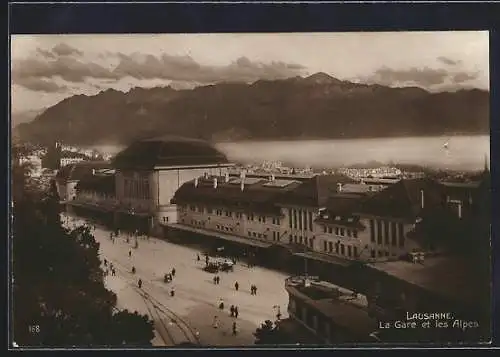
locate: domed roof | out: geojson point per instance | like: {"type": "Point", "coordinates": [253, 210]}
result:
{"type": "Point", "coordinates": [168, 151]}
{"type": "Point", "coordinates": [79, 170]}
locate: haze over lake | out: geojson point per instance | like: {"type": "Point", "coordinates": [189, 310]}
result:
{"type": "Point", "coordinates": [462, 152]}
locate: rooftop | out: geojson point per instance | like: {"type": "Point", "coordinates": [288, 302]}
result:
{"type": "Point", "coordinates": [449, 277]}
{"type": "Point", "coordinates": [102, 183]}
{"type": "Point", "coordinates": [255, 193]}
{"type": "Point", "coordinates": [168, 151]}
{"type": "Point", "coordinates": [79, 170]}
{"type": "Point", "coordinates": [340, 305]}
{"type": "Point", "coordinates": [316, 191]}
{"type": "Point", "coordinates": [402, 200]}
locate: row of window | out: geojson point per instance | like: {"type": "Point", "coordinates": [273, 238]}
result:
{"type": "Point", "coordinates": [226, 213]}
{"type": "Point", "coordinates": [387, 233]}
{"type": "Point", "coordinates": [136, 189]}
{"type": "Point", "coordinates": [301, 240]}
{"type": "Point", "coordinates": [197, 223]}
{"type": "Point", "coordinates": [299, 219]}
{"type": "Point", "coordinates": [341, 232]}
{"type": "Point", "coordinates": [381, 253]}
{"type": "Point", "coordinates": [224, 228]}
{"type": "Point", "coordinates": [341, 249]}
{"type": "Point", "coordinates": [257, 235]}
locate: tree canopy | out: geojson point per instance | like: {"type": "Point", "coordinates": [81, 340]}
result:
{"type": "Point", "coordinates": [59, 297]}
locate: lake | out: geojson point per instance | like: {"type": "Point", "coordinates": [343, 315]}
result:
{"type": "Point", "coordinates": [462, 152]}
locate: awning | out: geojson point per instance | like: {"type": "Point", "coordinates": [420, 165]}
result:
{"type": "Point", "coordinates": [323, 258]}
{"type": "Point", "coordinates": [228, 237]}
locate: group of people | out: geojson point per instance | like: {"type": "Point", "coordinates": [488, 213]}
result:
{"type": "Point", "coordinates": [111, 268]}
{"type": "Point", "coordinates": [233, 313]}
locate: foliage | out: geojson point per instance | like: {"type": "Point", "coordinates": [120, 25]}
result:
{"type": "Point", "coordinates": [269, 334]}
{"type": "Point", "coordinates": [52, 159]}
{"type": "Point", "coordinates": [58, 282]}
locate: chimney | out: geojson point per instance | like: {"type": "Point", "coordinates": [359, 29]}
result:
{"type": "Point", "coordinates": [215, 182]}
{"type": "Point", "coordinates": [242, 184]}
{"type": "Point", "coordinates": [196, 182]}
{"type": "Point", "coordinates": [226, 178]}
{"type": "Point", "coordinates": [339, 187]}
{"type": "Point", "coordinates": [422, 199]}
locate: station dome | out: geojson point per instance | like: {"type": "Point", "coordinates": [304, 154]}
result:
{"type": "Point", "coordinates": [168, 151]}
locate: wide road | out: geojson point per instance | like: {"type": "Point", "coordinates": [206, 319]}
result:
{"type": "Point", "coordinates": [189, 315]}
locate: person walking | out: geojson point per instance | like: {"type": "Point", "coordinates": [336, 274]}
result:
{"type": "Point", "coordinates": [236, 312]}
{"type": "Point", "coordinates": [129, 253]}
{"type": "Point", "coordinates": [231, 309]}
{"type": "Point", "coordinates": [113, 272]}
{"type": "Point", "coordinates": [255, 289]}
{"type": "Point", "coordinates": [105, 262]}
{"type": "Point", "coordinates": [198, 257]}
{"type": "Point", "coordinates": [221, 304]}
{"type": "Point", "coordinates": [215, 279]}
{"type": "Point", "coordinates": [173, 272]}
{"type": "Point", "coordinates": [172, 292]}
{"type": "Point", "coordinates": [133, 270]}
{"type": "Point", "coordinates": [251, 289]}
{"type": "Point", "coordinates": [235, 329]}
{"type": "Point", "coordinates": [218, 279]}
{"type": "Point", "coordinates": [236, 286]}
{"type": "Point", "coordinates": [215, 324]}
{"type": "Point", "coordinates": [139, 283]}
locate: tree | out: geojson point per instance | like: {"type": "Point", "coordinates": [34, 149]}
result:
{"type": "Point", "coordinates": [59, 297]}
{"type": "Point", "coordinates": [269, 334]}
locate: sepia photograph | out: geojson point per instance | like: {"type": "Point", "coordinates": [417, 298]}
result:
{"type": "Point", "coordinates": [250, 190]}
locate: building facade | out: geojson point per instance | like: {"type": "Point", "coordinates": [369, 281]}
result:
{"type": "Point", "coordinates": [149, 172]}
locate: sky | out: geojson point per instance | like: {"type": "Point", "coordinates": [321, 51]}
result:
{"type": "Point", "coordinates": [46, 69]}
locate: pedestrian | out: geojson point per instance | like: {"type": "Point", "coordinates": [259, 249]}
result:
{"type": "Point", "coordinates": [218, 280]}
{"type": "Point", "coordinates": [139, 283]}
{"type": "Point", "coordinates": [231, 309]}
{"type": "Point", "coordinates": [173, 272]}
{"type": "Point", "coordinates": [221, 304]}
{"type": "Point", "coordinates": [172, 292]}
{"type": "Point", "coordinates": [236, 286]}
{"type": "Point", "coordinates": [278, 315]}
{"type": "Point", "coordinates": [105, 263]}
{"type": "Point", "coordinates": [113, 272]}
{"type": "Point", "coordinates": [234, 261]}
{"type": "Point", "coordinates": [216, 322]}
{"type": "Point", "coordinates": [255, 289]}
{"type": "Point", "coordinates": [197, 257]}
{"type": "Point", "coordinates": [206, 260]}
{"type": "Point", "coordinates": [133, 270]}
{"type": "Point", "coordinates": [236, 312]}
{"type": "Point", "coordinates": [215, 279]}
{"type": "Point", "coordinates": [251, 289]}
{"type": "Point", "coordinates": [129, 253]}
{"type": "Point", "coordinates": [235, 330]}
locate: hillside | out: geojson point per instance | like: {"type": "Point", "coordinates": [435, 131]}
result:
{"type": "Point", "coordinates": [318, 106]}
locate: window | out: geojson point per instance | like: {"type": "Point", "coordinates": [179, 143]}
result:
{"type": "Point", "coordinates": [337, 230]}
{"type": "Point", "coordinates": [372, 253]}
{"type": "Point", "coordinates": [386, 253]}
{"type": "Point", "coordinates": [380, 253]}
{"type": "Point", "coordinates": [254, 234]}
{"type": "Point", "coordinates": [349, 250]}
{"type": "Point", "coordinates": [325, 245]}
{"type": "Point", "coordinates": [379, 232]}
{"type": "Point", "coordinates": [349, 234]}
{"type": "Point", "coordinates": [355, 234]}
{"type": "Point", "coordinates": [372, 230]}
{"type": "Point", "coordinates": [342, 249]}
{"type": "Point", "coordinates": [300, 220]}
{"type": "Point", "coordinates": [342, 232]}
{"type": "Point", "coordinates": [330, 230]}
{"type": "Point", "coordinates": [355, 249]}
{"type": "Point", "coordinates": [290, 239]}
{"type": "Point", "coordinates": [290, 217]}
{"type": "Point", "coordinates": [386, 232]}
{"type": "Point", "coordinates": [401, 236]}
{"type": "Point", "coordinates": [295, 219]}
{"type": "Point", "coordinates": [324, 229]}
{"type": "Point", "coordinates": [330, 246]}
{"type": "Point", "coordinates": [394, 237]}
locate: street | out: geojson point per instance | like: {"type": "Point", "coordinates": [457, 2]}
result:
{"type": "Point", "coordinates": [189, 315]}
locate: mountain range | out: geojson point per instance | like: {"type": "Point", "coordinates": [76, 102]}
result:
{"type": "Point", "coordinates": [315, 107]}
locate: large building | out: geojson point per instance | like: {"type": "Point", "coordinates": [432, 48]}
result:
{"type": "Point", "coordinates": [149, 172]}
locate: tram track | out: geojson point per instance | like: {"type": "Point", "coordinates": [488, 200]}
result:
{"type": "Point", "coordinates": [157, 308]}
